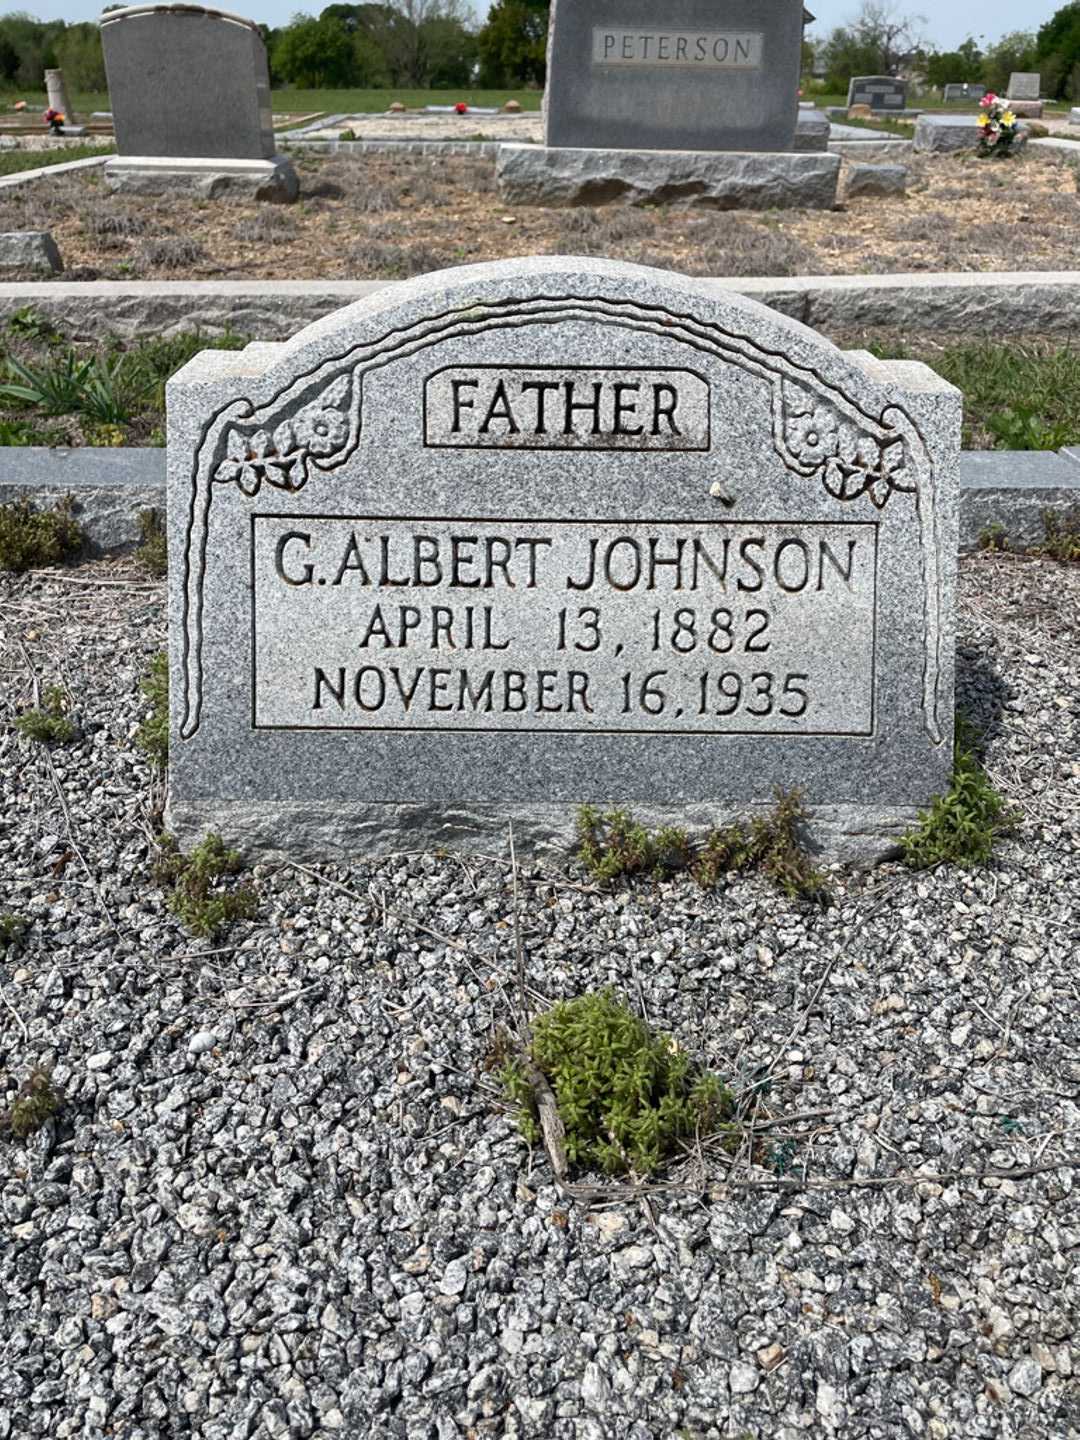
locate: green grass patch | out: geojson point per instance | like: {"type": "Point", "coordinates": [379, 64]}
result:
{"type": "Point", "coordinates": [375, 102]}
{"type": "Point", "coordinates": [13, 162]}
{"type": "Point", "coordinates": [960, 827]}
{"type": "Point", "coordinates": [1021, 396]}
{"type": "Point", "coordinates": [626, 1096]}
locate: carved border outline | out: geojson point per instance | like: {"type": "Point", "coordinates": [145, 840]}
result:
{"type": "Point", "coordinates": [884, 454]}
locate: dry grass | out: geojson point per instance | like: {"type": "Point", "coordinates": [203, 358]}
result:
{"type": "Point", "coordinates": [387, 216]}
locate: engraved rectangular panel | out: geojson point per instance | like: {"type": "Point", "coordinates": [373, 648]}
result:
{"type": "Point", "coordinates": [573, 408]}
{"type": "Point", "coordinates": [452, 624]}
{"type": "Point", "coordinates": [690, 49]}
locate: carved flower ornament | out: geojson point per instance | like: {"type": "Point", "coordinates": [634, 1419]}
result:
{"type": "Point", "coordinates": [851, 462]}
{"type": "Point", "coordinates": [279, 456]}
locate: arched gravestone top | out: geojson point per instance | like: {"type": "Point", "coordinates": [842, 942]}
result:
{"type": "Point", "coordinates": [689, 75]}
{"type": "Point", "coordinates": [187, 81]}
{"type": "Point", "coordinates": [508, 538]}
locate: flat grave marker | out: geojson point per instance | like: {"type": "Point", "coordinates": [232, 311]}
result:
{"type": "Point", "coordinates": [509, 538]}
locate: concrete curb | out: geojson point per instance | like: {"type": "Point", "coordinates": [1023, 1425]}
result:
{"type": "Point", "coordinates": [1006, 488]}
{"type": "Point", "coordinates": [65, 167]}
{"type": "Point", "coordinates": [1016, 302]}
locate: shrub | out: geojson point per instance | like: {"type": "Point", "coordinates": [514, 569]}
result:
{"type": "Point", "coordinates": [195, 893]}
{"type": "Point", "coordinates": [960, 827]}
{"type": "Point", "coordinates": [29, 537]}
{"type": "Point", "coordinates": [626, 1096]}
{"type": "Point", "coordinates": [36, 1102]}
{"type": "Point", "coordinates": [48, 724]}
{"type": "Point", "coordinates": [152, 736]}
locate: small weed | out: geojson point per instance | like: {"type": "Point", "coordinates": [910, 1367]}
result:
{"type": "Point", "coordinates": [109, 437]}
{"type": "Point", "coordinates": [30, 324]}
{"type": "Point", "coordinates": [781, 1157]}
{"type": "Point", "coordinates": [1019, 427]}
{"type": "Point", "coordinates": [152, 736]}
{"type": "Point", "coordinates": [12, 930]}
{"type": "Point", "coordinates": [153, 553]}
{"type": "Point", "coordinates": [613, 844]}
{"type": "Point", "coordinates": [36, 1102]}
{"type": "Point", "coordinates": [959, 828]}
{"type": "Point", "coordinates": [993, 537]}
{"type": "Point", "coordinates": [48, 724]}
{"type": "Point", "coordinates": [626, 1096]}
{"type": "Point", "coordinates": [171, 252]}
{"type": "Point", "coordinates": [195, 893]}
{"type": "Point", "coordinates": [1062, 537]}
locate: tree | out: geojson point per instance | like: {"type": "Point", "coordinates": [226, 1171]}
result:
{"type": "Point", "coordinates": [1015, 51]}
{"type": "Point", "coordinates": [79, 53]}
{"type": "Point", "coordinates": [1058, 48]}
{"type": "Point", "coordinates": [513, 44]}
{"type": "Point", "coordinates": [874, 43]}
{"type": "Point", "coordinates": [962, 66]}
{"type": "Point", "coordinates": [449, 51]}
{"type": "Point", "coordinates": [314, 54]}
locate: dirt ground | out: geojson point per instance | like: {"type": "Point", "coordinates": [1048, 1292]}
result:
{"type": "Point", "coordinates": [377, 216]}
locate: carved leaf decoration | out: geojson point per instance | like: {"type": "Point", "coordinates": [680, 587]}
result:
{"type": "Point", "coordinates": [848, 459]}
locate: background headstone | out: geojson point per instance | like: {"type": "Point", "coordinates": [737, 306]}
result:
{"type": "Point", "coordinates": [187, 81]}
{"type": "Point", "coordinates": [57, 94]}
{"type": "Point", "coordinates": [508, 538]}
{"type": "Point", "coordinates": [690, 75]}
{"type": "Point", "coordinates": [1024, 85]}
{"type": "Point", "coordinates": [973, 93]}
{"type": "Point", "coordinates": [880, 92]}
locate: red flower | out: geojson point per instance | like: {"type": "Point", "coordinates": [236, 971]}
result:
{"type": "Point", "coordinates": [461, 108]}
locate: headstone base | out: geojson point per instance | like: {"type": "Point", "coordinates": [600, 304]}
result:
{"type": "Point", "coordinates": [944, 133]}
{"type": "Point", "coordinates": [273, 180]}
{"type": "Point", "coordinates": [847, 834]}
{"type": "Point", "coordinates": [811, 132]}
{"type": "Point", "coordinates": [1026, 109]}
{"type": "Point", "coordinates": [722, 180]}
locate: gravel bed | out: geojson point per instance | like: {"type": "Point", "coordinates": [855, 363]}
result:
{"type": "Point", "coordinates": [281, 1198]}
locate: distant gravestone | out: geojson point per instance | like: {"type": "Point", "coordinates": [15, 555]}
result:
{"type": "Point", "coordinates": [190, 95]}
{"type": "Point", "coordinates": [508, 538]}
{"type": "Point", "coordinates": [880, 92]}
{"type": "Point", "coordinates": [710, 75]}
{"type": "Point", "coordinates": [953, 93]}
{"type": "Point", "coordinates": [1024, 85]}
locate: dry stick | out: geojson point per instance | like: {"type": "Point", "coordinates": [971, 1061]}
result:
{"type": "Point", "coordinates": [519, 945]}
{"type": "Point", "coordinates": [551, 1125]}
{"type": "Point", "coordinates": [18, 1017]}
{"type": "Point", "coordinates": [401, 915]}
{"type": "Point", "coordinates": [136, 586]}
{"type": "Point", "coordinates": [884, 1182]}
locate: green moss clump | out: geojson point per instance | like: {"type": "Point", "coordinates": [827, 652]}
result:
{"type": "Point", "coordinates": [30, 538]}
{"type": "Point", "coordinates": [48, 724]}
{"type": "Point", "coordinates": [12, 930]}
{"type": "Point", "coordinates": [153, 553]}
{"type": "Point", "coordinates": [626, 1096]}
{"type": "Point", "coordinates": [36, 1102]}
{"type": "Point", "coordinates": [613, 844]}
{"type": "Point", "coordinates": [960, 827]}
{"type": "Point", "coordinates": [152, 736]}
{"type": "Point", "coordinates": [196, 895]}
{"type": "Point", "coordinates": [993, 537]}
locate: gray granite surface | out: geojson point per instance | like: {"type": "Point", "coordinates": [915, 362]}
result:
{"type": "Point", "coordinates": [880, 92]}
{"type": "Point", "coordinates": [872, 180]}
{"type": "Point", "coordinates": [691, 75]}
{"type": "Point", "coordinates": [516, 536]}
{"type": "Point", "coordinates": [33, 251]}
{"type": "Point", "coordinates": [186, 80]}
{"type": "Point", "coordinates": [273, 180]}
{"type": "Point", "coordinates": [1024, 85]}
{"type": "Point", "coordinates": [724, 180]}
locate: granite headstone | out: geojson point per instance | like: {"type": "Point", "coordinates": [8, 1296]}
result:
{"type": "Point", "coordinates": [191, 85]}
{"type": "Point", "coordinates": [1024, 85]}
{"type": "Point", "coordinates": [507, 538]}
{"type": "Point", "coordinates": [708, 75]}
{"type": "Point", "coordinates": [963, 91]}
{"type": "Point", "coordinates": [880, 92]}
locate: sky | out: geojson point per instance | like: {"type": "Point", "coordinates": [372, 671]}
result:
{"type": "Point", "coordinates": [948, 22]}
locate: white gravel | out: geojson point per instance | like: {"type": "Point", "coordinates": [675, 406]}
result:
{"type": "Point", "coordinates": [280, 1199]}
